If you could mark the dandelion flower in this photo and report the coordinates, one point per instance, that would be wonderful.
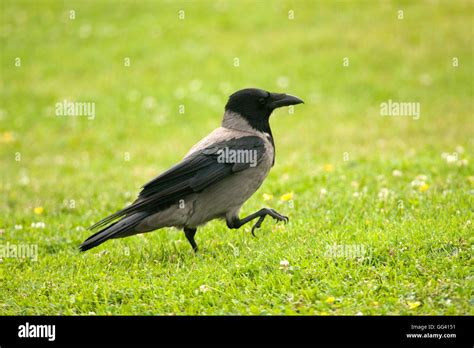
(39, 210)
(424, 187)
(330, 300)
(267, 197)
(287, 197)
(328, 168)
(414, 305)
(7, 137)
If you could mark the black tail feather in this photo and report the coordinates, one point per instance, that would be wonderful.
(121, 228)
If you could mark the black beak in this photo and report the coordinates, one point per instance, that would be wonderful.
(278, 100)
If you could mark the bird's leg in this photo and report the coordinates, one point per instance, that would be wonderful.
(235, 222)
(190, 232)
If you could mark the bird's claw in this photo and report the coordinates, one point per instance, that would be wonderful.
(253, 228)
(277, 216)
(274, 214)
(257, 225)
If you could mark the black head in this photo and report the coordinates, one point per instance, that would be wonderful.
(256, 105)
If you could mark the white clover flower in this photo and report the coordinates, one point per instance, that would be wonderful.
(180, 93)
(384, 194)
(133, 95)
(397, 173)
(420, 181)
(459, 149)
(451, 159)
(149, 102)
(284, 264)
(24, 180)
(195, 85)
(283, 82)
(425, 79)
(203, 288)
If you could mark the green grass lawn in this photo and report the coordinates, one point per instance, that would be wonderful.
(381, 208)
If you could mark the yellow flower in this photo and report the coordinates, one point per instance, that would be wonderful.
(375, 303)
(287, 197)
(414, 305)
(39, 210)
(424, 187)
(267, 197)
(7, 137)
(330, 300)
(328, 167)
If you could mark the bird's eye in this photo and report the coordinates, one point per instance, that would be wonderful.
(262, 101)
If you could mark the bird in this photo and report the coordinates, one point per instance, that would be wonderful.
(213, 180)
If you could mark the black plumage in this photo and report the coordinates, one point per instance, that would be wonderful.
(202, 177)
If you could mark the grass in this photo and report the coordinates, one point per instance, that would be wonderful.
(412, 231)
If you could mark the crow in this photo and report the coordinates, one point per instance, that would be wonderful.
(216, 177)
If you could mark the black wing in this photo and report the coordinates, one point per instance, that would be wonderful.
(192, 175)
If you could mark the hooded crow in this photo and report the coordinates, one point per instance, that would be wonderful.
(216, 177)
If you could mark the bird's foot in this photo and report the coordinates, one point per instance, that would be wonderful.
(274, 214)
(277, 216)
